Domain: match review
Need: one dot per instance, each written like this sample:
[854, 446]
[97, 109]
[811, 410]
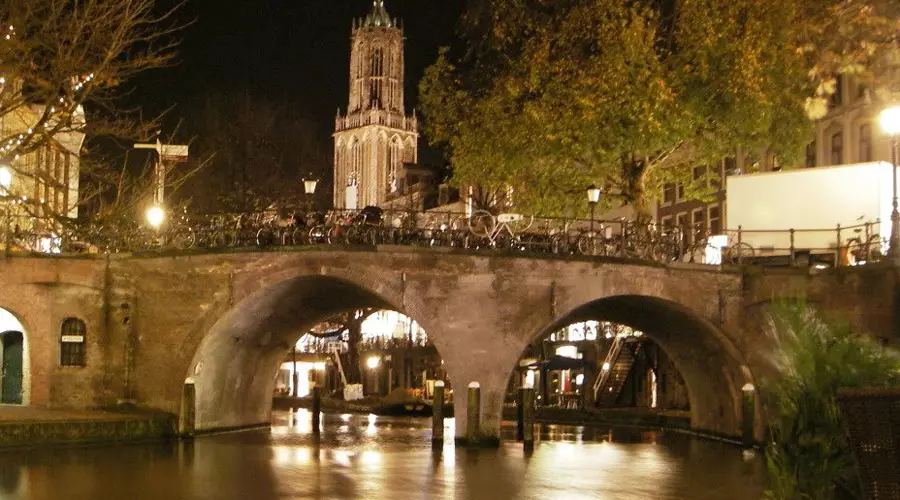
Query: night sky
[294, 52]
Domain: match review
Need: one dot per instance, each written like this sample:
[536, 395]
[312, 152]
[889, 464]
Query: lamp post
[593, 195]
[309, 187]
[890, 123]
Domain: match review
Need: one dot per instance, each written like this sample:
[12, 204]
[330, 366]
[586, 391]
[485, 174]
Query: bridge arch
[232, 370]
[712, 367]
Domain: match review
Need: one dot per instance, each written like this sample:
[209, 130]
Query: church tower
[375, 138]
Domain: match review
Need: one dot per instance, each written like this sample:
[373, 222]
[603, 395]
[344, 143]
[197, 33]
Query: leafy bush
[808, 456]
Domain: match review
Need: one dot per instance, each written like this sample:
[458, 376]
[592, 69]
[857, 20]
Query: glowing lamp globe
[155, 216]
[593, 194]
[309, 185]
[373, 362]
[890, 121]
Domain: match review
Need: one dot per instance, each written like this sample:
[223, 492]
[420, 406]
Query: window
[837, 148]
[715, 219]
[669, 194]
[716, 181]
[837, 98]
[865, 142]
[71, 342]
[679, 195]
[682, 223]
[698, 173]
[810, 155]
[666, 221]
[731, 167]
[698, 224]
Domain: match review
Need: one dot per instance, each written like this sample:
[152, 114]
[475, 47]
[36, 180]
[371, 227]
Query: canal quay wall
[199, 335]
[29, 427]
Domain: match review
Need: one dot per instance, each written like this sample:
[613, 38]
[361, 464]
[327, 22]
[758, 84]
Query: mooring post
[316, 409]
[473, 412]
[188, 409]
[437, 415]
[528, 418]
[520, 424]
[748, 410]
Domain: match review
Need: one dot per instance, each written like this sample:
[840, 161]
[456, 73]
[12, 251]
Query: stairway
[607, 392]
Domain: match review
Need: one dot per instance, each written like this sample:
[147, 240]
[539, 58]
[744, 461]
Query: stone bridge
[225, 321]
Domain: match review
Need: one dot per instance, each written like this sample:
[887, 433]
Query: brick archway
[233, 369]
[713, 369]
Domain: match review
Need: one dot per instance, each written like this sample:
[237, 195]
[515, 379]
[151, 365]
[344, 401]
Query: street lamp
[593, 195]
[890, 123]
[309, 187]
[156, 216]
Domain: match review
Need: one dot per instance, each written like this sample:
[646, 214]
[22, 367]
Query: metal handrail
[614, 349]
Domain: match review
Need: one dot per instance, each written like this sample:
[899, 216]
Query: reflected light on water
[371, 457]
[370, 429]
[393, 464]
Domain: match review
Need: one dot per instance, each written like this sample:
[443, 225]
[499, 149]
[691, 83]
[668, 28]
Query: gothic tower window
[394, 158]
[356, 159]
[376, 72]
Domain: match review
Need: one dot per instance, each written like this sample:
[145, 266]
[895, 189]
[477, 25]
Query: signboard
[75, 339]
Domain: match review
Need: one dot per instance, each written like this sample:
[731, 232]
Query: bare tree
[59, 57]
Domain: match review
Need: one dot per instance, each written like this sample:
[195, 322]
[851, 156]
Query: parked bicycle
[865, 246]
[501, 231]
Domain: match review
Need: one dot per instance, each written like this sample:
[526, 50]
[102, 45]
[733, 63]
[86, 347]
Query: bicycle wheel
[739, 253]
[300, 236]
[482, 223]
[182, 238]
[874, 251]
[265, 237]
[588, 245]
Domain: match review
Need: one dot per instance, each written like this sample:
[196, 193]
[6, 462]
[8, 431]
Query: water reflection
[364, 456]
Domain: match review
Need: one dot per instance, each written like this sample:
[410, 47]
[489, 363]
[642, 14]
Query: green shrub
[807, 455]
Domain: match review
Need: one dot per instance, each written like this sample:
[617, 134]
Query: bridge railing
[836, 246]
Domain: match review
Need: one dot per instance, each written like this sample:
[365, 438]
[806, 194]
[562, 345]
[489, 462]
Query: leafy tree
[808, 455]
[550, 96]
[63, 65]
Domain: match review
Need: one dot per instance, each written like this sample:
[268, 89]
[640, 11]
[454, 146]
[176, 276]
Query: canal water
[369, 457]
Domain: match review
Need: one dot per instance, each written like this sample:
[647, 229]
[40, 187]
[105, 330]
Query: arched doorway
[13, 360]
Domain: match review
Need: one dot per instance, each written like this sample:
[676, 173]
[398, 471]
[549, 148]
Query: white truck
[763, 208]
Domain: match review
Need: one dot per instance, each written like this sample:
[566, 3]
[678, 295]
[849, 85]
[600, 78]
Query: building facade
[375, 138]
[45, 181]
[848, 134]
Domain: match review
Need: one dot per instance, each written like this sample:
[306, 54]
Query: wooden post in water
[316, 409]
[473, 412]
[748, 410]
[437, 415]
[528, 418]
[188, 408]
[520, 424]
